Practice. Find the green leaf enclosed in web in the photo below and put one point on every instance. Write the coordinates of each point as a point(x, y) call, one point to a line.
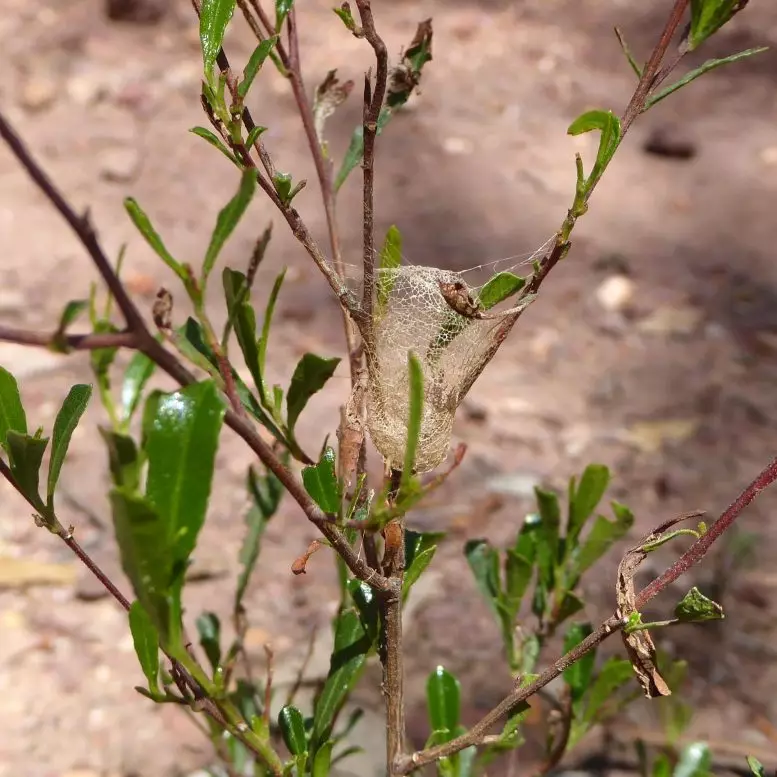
point(181, 432)
point(695, 607)
point(144, 226)
point(321, 483)
point(227, 220)
point(443, 702)
point(415, 415)
point(390, 259)
point(67, 419)
point(254, 65)
point(499, 288)
point(214, 18)
point(310, 376)
point(146, 641)
point(12, 415)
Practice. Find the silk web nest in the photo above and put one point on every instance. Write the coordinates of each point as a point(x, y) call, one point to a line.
point(454, 330)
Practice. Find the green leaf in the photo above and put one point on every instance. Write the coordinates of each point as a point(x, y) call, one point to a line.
point(181, 432)
point(662, 766)
point(578, 676)
point(570, 605)
point(241, 313)
point(292, 726)
point(25, 455)
point(268, 314)
point(144, 226)
point(101, 360)
point(367, 604)
point(214, 18)
point(216, 142)
point(603, 535)
point(67, 419)
point(417, 542)
point(518, 574)
point(282, 10)
point(406, 77)
point(147, 560)
point(123, 458)
point(710, 64)
point(344, 12)
point(415, 415)
point(355, 152)
point(584, 499)
point(695, 761)
point(227, 220)
point(12, 416)
point(253, 134)
point(209, 629)
point(695, 607)
point(351, 646)
point(390, 259)
point(635, 66)
point(321, 483)
point(72, 310)
point(756, 767)
point(416, 569)
point(708, 16)
point(266, 493)
point(499, 288)
point(310, 376)
point(483, 560)
point(322, 762)
point(137, 374)
point(614, 674)
point(146, 642)
point(443, 701)
point(610, 127)
point(255, 63)
point(547, 536)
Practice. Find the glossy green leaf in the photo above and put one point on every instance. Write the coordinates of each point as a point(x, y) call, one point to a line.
point(756, 767)
point(181, 432)
point(209, 631)
point(12, 415)
point(268, 315)
point(292, 726)
point(72, 311)
point(483, 560)
point(518, 575)
point(355, 152)
point(321, 483)
point(443, 701)
point(253, 135)
point(417, 542)
point(241, 313)
point(266, 493)
point(214, 18)
point(25, 456)
point(367, 605)
point(227, 220)
point(707, 17)
point(124, 460)
point(603, 535)
point(578, 676)
point(310, 376)
point(416, 569)
point(146, 641)
point(216, 142)
point(147, 560)
point(498, 288)
point(255, 63)
point(390, 260)
point(415, 415)
point(137, 374)
point(614, 674)
point(547, 535)
point(145, 227)
point(695, 607)
point(348, 658)
point(710, 64)
point(65, 424)
point(584, 497)
point(322, 761)
point(610, 127)
point(695, 761)
point(282, 10)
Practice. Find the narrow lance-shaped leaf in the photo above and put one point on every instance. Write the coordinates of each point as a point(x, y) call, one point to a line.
point(12, 415)
point(578, 676)
point(353, 156)
point(390, 260)
point(584, 497)
point(499, 288)
point(227, 220)
point(72, 311)
point(25, 455)
point(244, 319)
point(181, 436)
point(415, 415)
point(282, 10)
point(67, 419)
point(216, 142)
point(214, 18)
point(268, 315)
point(483, 560)
point(310, 376)
point(609, 126)
point(137, 374)
point(144, 226)
point(255, 63)
point(209, 630)
point(321, 483)
point(146, 641)
point(603, 535)
point(708, 16)
point(443, 701)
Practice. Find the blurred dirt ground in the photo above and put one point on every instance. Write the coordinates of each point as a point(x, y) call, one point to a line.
point(652, 349)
